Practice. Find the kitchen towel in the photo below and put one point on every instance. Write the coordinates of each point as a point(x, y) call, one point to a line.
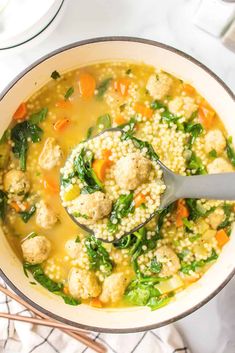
point(18, 337)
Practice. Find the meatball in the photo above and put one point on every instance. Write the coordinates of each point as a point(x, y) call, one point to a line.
point(132, 170)
point(215, 140)
point(215, 218)
point(113, 288)
point(36, 249)
point(169, 260)
point(184, 106)
point(45, 216)
point(73, 249)
point(219, 165)
point(51, 154)
point(159, 85)
point(16, 183)
point(83, 284)
point(89, 208)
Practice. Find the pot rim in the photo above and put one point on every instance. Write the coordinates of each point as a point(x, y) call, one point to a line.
point(114, 39)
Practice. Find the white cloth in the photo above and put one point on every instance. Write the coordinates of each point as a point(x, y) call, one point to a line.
point(18, 337)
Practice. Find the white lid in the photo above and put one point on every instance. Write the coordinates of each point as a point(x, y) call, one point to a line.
point(21, 21)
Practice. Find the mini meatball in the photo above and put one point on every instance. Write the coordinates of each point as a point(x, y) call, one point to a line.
point(92, 207)
point(51, 154)
point(215, 140)
point(215, 218)
point(36, 249)
point(83, 284)
point(16, 183)
point(113, 288)
point(182, 106)
point(45, 216)
point(132, 170)
point(159, 85)
point(169, 260)
point(219, 165)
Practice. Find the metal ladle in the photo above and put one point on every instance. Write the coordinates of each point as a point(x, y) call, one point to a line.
point(211, 187)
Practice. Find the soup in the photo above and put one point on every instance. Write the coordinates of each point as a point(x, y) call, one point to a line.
point(173, 250)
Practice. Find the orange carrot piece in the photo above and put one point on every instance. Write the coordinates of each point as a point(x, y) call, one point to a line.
point(221, 237)
point(100, 167)
point(106, 153)
point(121, 85)
point(143, 110)
point(206, 115)
point(190, 90)
point(66, 290)
point(96, 303)
point(181, 212)
point(61, 124)
point(21, 112)
point(62, 104)
point(139, 199)
point(15, 206)
point(119, 120)
point(86, 85)
point(51, 186)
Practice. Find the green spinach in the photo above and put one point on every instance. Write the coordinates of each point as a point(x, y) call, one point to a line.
point(121, 208)
point(195, 130)
point(98, 255)
point(55, 75)
point(102, 87)
point(69, 93)
point(196, 211)
point(230, 150)
point(3, 204)
point(186, 268)
point(227, 222)
point(38, 117)
point(104, 120)
point(26, 215)
point(83, 169)
point(195, 165)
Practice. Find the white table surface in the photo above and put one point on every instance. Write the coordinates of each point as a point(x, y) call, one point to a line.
point(167, 21)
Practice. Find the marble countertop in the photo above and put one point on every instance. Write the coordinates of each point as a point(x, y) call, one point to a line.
point(167, 21)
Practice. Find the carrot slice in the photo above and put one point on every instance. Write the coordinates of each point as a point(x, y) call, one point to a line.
point(122, 86)
point(100, 167)
point(51, 186)
point(96, 303)
point(86, 85)
point(181, 212)
point(106, 153)
point(15, 206)
point(66, 290)
point(221, 237)
point(190, 90)
point(139, 199)
point(143, 110)
point(21, 112)
point(119, 120)
point(61, 124)
point(206, 115)
point(62, 104)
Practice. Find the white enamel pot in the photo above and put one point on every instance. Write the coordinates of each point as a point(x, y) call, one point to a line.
point(221, 99)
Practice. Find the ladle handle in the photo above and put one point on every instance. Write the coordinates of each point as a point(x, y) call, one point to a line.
point(214, 186)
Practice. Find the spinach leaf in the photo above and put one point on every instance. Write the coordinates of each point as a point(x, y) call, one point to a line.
point(212, 154)
point(5, 137)
point(3, 204)
point(196, 211)
point(83, 168)
point(230, 150)
point(155, 266)
point(121, 208)
point(157, 105)
point(195, 165)
point(186, 268)
point(69, 93)
point(103, 86)
point(19, 135)
point(195, 130)
point(123, 243)
point(26, 215)
point(52, 286)
point(105, 121)
point(98, 255)
point(140, 293)
point(158, 302)
point(161, 216)
point(89, 132)
point(55, 74)
point(77, 240)
point(227, 211)
point(128, 135)
point(128, 72)
point(38, 117)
